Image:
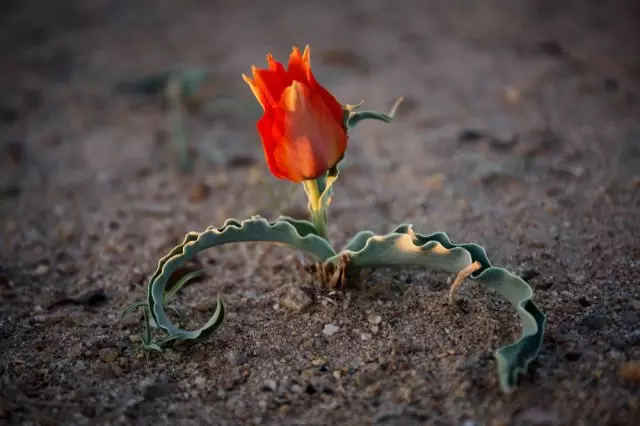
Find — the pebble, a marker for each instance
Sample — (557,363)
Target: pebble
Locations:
(296,299)
(200,381)
(365,336)
(374,319)
(318,361)
(41,269)
(269,385)
(330,329)
(109,354)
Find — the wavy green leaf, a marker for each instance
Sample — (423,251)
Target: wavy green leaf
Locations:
(286,231)
(403,247)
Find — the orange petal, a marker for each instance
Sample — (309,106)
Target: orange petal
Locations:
(256,91)
(269,142)
(310,141)
(272,83)
(299,66)
(267,84)
(273,64)
(300,69)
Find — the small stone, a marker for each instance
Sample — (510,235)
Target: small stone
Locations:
(593,322)
(330,329)
(200,381)
(41,269)
(135,339)
(109,355)
(296,299)
(318,361)
(374,319)
(152,388)
(630,371)
(237,358)
(269,385)
(635,304)
(374,329)
(365,336)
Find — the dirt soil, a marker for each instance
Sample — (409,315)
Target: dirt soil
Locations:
(519,132)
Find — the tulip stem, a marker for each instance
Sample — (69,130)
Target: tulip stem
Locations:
(316,209)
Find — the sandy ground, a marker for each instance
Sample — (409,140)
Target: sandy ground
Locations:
(519,132)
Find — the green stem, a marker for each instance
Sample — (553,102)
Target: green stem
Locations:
(319,219)
(317,211)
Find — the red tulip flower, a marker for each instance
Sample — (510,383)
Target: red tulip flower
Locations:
(302,129)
